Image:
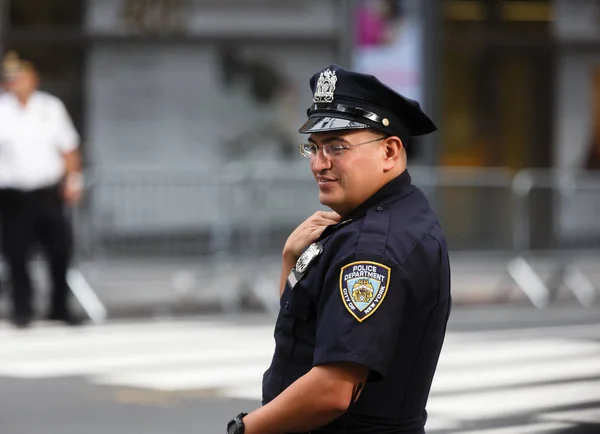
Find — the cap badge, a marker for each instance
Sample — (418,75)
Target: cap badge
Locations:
(325,86)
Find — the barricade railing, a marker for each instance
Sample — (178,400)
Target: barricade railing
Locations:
(234,219)
(567,204)
(196,212)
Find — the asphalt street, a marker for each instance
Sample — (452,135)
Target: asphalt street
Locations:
(504,370)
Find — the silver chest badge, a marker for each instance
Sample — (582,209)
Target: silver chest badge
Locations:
(325,86)
(307,257)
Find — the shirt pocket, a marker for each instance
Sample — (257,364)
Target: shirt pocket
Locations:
(293,318)
(297,304)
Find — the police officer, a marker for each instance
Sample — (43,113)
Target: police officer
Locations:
(39,175)
(365,305)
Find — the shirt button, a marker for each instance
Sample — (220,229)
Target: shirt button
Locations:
(379,208)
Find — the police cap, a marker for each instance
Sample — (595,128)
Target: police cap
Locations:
(347,100)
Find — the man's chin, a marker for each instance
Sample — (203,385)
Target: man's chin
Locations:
(328,200)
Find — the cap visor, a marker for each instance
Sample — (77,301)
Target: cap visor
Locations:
(320,124)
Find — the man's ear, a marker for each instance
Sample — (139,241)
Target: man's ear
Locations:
(393,149)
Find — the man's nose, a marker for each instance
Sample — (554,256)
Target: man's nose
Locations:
(320,161)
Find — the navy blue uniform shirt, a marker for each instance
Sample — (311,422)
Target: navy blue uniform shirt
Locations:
(377,294)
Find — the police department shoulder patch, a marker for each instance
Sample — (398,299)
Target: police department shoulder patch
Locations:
(363,286)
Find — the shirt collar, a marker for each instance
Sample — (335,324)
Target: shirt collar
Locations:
(31,101)
(393,190)
(390,192)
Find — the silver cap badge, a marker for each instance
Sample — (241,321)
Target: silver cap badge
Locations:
(325,86)
(307,257)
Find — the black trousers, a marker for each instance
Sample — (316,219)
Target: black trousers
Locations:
(28,220)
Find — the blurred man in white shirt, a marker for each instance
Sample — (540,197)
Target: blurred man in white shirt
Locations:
(39,175)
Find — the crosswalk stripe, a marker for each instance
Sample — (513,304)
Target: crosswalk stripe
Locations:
(86,342)
(516,374)
(519,400)
(250,390)
(585,415)
(583,331)
(536,428)
(187,379)
(41,329)
(148,358)
(466,354)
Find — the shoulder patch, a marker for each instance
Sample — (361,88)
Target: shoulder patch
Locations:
(363,286)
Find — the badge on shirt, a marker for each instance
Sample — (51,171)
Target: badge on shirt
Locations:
(363,286)
(304,261)
(307,257)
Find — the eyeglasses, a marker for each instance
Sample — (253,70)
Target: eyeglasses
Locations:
(331,150)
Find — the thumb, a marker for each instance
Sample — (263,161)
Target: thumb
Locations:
(332,215)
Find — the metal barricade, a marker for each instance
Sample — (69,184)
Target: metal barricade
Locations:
(468,202)
(191,212)
(556,234)
(228,225)
(231,223)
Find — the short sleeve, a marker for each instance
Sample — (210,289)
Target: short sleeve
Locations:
(66,138)
(359,313)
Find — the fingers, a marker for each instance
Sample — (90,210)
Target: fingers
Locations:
(326,217)
(320,221)
(330,215)
(309,231)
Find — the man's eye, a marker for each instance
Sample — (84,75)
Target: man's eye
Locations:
(336,148)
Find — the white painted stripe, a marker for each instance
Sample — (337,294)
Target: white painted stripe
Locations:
(463,355)
(188,379)
(539,428)
(173,348)
(39,335)
(586,415)
(42,328)
(567,331)
(515,374)
(48,328)
(247,391)
(82,364)
(131,344)
(504,403)
(458,355)
(435,423)
(83,342)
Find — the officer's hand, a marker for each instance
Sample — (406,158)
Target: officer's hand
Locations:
(308,232)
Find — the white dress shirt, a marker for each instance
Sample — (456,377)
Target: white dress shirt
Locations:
(32,140)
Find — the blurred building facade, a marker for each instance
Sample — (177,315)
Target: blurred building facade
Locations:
(517,81)
(512,83)
(195,83)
